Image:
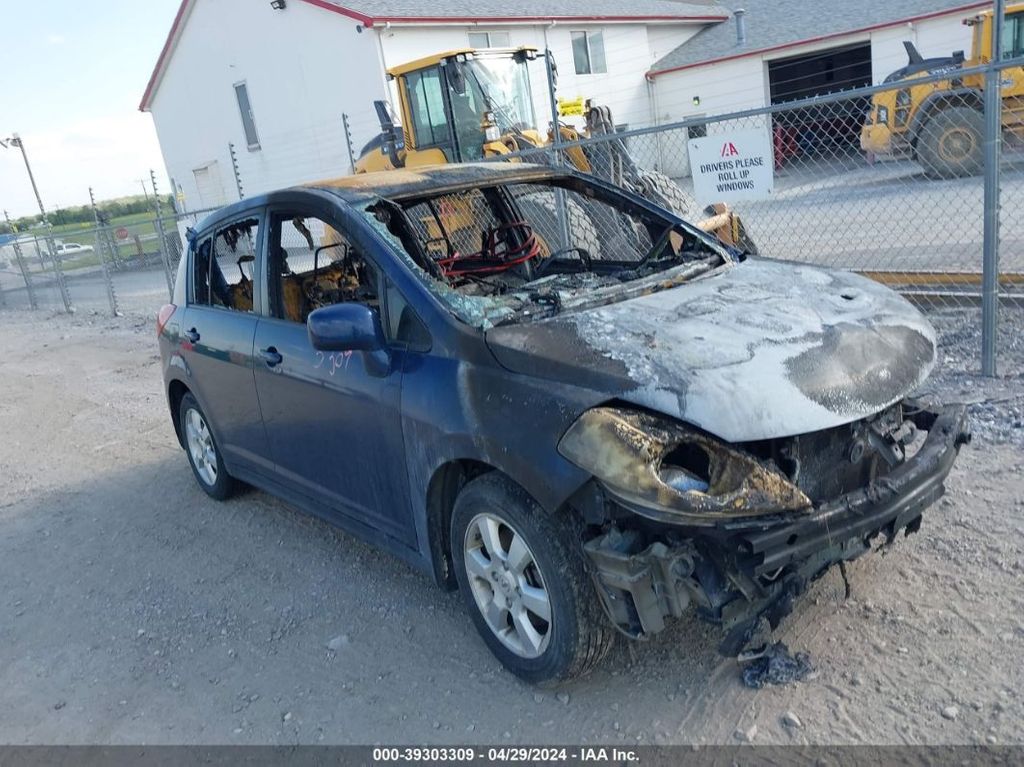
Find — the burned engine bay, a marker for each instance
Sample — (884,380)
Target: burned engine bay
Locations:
(739,531)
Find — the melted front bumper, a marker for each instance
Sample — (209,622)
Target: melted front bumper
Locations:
(746,572)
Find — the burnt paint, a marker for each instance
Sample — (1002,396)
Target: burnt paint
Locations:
(718,345)
(850,367)
(758,350)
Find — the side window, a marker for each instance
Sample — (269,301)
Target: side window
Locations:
(223,267)
(201,272)
(428,116)
(311,264)
(1013,35)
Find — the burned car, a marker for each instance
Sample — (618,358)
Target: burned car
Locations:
(584,413)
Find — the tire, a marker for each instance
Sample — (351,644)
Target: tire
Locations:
(540,211)
(662,190)
(200,446)
(547,572)
(951,143)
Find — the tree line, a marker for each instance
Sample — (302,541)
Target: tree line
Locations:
(82,214)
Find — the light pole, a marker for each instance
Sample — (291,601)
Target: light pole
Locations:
(144,190)
(15,140)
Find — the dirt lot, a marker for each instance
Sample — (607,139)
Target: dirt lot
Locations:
(136,610)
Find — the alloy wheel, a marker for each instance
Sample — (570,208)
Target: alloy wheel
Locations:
(507,585)
(200,446)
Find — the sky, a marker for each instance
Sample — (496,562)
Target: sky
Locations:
(72,73)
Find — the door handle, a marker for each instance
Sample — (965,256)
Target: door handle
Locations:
(192,335)
(271,356)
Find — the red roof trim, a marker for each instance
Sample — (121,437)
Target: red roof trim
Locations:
(933,14)
(370,21)
(164,52)
(360,17)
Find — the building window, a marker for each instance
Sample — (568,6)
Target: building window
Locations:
(489,40)
(252,139)
(588,53)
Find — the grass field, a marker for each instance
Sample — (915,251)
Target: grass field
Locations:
(138,224)
(85,234)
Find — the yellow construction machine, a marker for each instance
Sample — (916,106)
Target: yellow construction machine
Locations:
(941,124)
(469,105)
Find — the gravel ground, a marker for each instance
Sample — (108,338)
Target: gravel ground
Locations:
(996,404)
(136,610)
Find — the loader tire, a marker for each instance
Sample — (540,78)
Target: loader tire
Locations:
(951,143)
(663,191)
(540,211)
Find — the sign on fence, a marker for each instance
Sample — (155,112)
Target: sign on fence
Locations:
(732,166)
(571,107)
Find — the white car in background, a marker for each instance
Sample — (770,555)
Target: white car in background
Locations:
(72,249)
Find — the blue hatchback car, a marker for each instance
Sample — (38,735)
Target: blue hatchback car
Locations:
(583,412)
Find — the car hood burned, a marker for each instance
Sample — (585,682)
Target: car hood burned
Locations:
(757,350)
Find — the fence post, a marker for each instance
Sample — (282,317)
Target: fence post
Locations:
(561,210)
(990,247)
(55,264)
(58,268)
(101,244)
(348,141)
(162,235)
(20,258)
(234,169)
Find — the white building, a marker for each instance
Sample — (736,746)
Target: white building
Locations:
(273,79)
(787,49)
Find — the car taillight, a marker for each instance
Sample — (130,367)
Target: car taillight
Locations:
(163,316)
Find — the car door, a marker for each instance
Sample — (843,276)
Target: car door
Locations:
(332,419)
(218,328)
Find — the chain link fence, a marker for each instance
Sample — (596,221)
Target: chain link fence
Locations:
(909,211)
(114,268)
(888,181)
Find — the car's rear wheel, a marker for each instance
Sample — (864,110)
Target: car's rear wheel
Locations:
(523,577)
(203,455)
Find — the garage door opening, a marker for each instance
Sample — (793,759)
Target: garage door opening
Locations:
(819,130)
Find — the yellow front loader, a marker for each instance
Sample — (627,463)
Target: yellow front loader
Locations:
(941,124)
(470,105)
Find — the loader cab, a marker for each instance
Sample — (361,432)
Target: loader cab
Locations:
(460,106)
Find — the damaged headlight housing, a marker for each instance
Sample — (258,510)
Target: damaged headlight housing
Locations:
(664,470)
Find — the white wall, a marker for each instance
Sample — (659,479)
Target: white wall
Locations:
(729,86)
(630,50)
(303,68)
(742,84)
(933,37)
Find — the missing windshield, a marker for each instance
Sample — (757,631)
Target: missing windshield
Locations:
(538,243)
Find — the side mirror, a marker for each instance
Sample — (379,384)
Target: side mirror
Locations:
(391,134)
(344,328)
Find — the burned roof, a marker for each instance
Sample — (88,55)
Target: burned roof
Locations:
(409,183)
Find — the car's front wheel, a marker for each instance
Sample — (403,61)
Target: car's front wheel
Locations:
(203,455)
(522,574)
